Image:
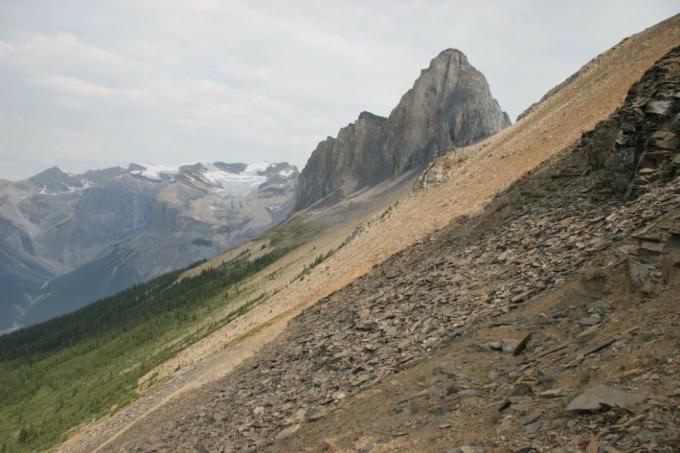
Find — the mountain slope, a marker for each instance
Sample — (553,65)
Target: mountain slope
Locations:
(568,216)
(20,270)
(557,122)
(450,105)
(59,373)
(550,128)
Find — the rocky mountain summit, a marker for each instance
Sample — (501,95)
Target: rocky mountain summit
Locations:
(67,240)
(546,321)
(449,106)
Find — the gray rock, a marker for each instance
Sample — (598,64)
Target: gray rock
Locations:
(532,417)
(287,432)
(603,396)
(521,390)
(533,427)
(591,320)
(449,106)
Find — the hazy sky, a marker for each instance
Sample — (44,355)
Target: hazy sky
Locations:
(89,84)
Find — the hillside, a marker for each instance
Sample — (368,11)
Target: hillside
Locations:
(188,387)
(555,272)
(80,365)
(546,131)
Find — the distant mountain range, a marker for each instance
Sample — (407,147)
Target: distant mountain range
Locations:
(68,240)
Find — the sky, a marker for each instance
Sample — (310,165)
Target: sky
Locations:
(88,84)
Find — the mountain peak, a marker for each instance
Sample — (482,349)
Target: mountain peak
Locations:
(445,59)
(450,105)
(53,171)
(450,53)
(370,116)
(55,180)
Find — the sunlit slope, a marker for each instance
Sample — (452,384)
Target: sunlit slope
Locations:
(586,98)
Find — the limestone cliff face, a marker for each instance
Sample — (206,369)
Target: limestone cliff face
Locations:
(344,164)
(449,106)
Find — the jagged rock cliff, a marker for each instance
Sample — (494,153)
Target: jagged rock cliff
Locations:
(640,143)
(450,105)
(344,164)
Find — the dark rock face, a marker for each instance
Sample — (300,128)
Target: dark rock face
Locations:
(450,105)
(344,164)
(642,140)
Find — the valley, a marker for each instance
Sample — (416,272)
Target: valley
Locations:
(70,240)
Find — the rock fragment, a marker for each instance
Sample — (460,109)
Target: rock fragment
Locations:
(603,396)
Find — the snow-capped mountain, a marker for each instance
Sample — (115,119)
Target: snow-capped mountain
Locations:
(229,179)
(67,240)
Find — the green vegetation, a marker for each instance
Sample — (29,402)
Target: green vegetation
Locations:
(290,233)
(78,367)
(318,260)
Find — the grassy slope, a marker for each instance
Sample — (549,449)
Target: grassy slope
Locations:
(75,368)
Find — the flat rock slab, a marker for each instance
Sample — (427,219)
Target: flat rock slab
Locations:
(603,396)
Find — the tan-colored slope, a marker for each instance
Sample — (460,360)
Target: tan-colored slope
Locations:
(216,355)
(554,124)
(550,127)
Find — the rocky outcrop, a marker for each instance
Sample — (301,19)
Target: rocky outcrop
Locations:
(449,106)
(641,141)
(344,164)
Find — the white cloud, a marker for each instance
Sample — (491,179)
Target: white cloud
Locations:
(89,83)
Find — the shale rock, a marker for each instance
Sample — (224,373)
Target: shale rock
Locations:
(603,396)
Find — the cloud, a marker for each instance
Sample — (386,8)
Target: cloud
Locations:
(87,84)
